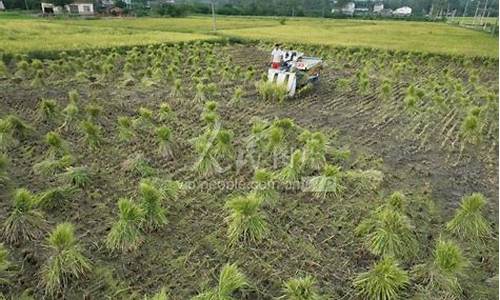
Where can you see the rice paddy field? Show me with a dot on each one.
(167, 167)
(25, 34)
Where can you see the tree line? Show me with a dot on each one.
(298, 8)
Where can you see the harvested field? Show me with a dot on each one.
(419, 124)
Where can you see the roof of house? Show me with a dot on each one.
(82, 2)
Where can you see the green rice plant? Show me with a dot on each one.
(231, 279)
(206, 163)
(24, 222)
(200, 95)
(125, 129)
(270, 91)
(144, 119)
(165, 113)
(177, 88)
(91, 134)
(48, 110)
(125, 234)
(82, 77)
(258, 134)
(55, 197)
(441, 277)
(364, 86)
(138, 165)
(38, 81)
(384, 281)
(7, 140)
(470, 129)
(275, 140)
(211, 90)
(210, 118)
(4, 71)
(449, 264)
(301, 289)
(286, 124)
(57, 146)
(363, 181)
(388, 232)
(93, 111)
(5, 264)
(264, 188)
(306, 89)
(468, 222)
(343, 84)
(329, 184)
(222, 147)
(160, 295)
(169, 189)
(292, 171)
(386, 90)
(51, 166)
(73, 96)
(154, 213)
(164, 138)
(20, 128)
(77, 176)
(70, 113)
(66, 261)
(22, 68)
(237, 95)
(313, 156)
(249, 74)
(4, 164)
(397, 201)
(246, 221)
(420, 94)
(210, 106)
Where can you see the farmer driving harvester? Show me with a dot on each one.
(276, 56)
(293, 69)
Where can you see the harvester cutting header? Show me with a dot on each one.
(293, 70)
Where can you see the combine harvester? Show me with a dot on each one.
(297, 72)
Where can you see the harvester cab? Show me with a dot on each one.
(296, 71)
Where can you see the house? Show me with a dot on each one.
(404, 11)
(82, 8)
(348, 8)
(50, 9)
(378, 7)
(362, 7)
(106, 3)
(2, 7)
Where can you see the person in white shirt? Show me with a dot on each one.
(276, 56)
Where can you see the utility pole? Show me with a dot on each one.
(465, 11)
(214, 22)
(26, 3)
(475, 15)
(484, 11)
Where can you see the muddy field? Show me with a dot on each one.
(421, 151)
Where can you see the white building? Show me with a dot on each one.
(83, 8)
(49, 8)
(404, 11)
(78, 8)
(377, 8)
(348, 8)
